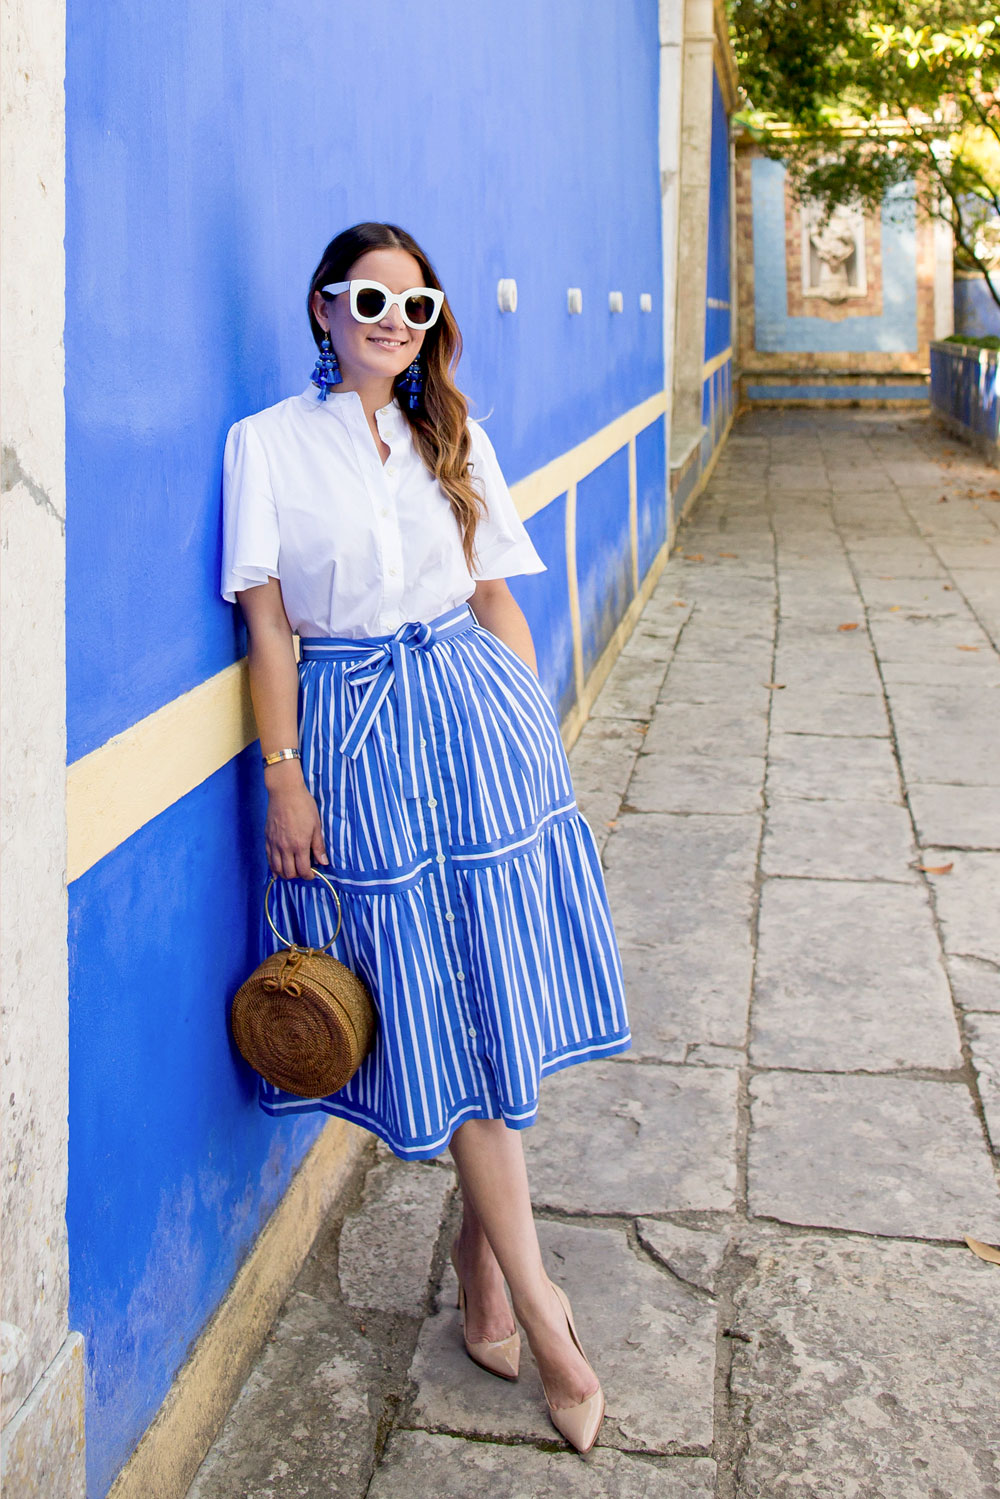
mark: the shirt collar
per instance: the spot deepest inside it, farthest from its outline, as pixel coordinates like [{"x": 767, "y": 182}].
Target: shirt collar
[{"x": 349, "y": 400}]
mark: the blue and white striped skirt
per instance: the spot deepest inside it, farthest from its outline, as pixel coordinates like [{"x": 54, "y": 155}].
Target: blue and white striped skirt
[{"x": 473, "y": 898}]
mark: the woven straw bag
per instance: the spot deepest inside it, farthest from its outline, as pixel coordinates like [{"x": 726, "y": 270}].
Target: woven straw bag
[{"x": 303, "y": 1020}]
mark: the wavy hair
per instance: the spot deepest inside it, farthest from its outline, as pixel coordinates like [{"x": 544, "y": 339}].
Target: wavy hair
[{"x": 439, "y": 421}]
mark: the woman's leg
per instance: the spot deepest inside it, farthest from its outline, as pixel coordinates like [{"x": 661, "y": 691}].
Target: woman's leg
[{"x": 498, "y": 1237}]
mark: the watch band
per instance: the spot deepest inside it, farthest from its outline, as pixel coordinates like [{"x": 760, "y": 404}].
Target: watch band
[{"x": 282, "y": 754}]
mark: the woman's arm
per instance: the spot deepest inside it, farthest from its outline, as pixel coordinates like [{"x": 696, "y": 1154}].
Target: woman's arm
[
  {"x": 293, "y": 835},
  {"x": 497, "y": 610}
]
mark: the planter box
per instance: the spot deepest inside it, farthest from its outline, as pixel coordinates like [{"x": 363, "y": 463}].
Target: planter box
[{"x": 964, "y": 394}]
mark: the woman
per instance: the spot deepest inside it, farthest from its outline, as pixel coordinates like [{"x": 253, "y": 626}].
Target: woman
[{"x": 413, "y": 751}]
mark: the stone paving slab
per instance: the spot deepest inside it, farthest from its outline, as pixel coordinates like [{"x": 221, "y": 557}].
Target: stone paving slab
[
  {"x": 850, "y": 978},
  {"x": 398, "y": 1224},
  {"x": 692, "y": 1254},
  {"x": 650, "y": 1339},
  {"x": 631, "y": 689},
  {"x": 832, "y": 768},
  {"x": 984, "y": 1039},
  {"x": 419, "y": 1463},
  {"x": 706, "y": 729},
  {"x": 304, "y": 1425},
  {"x": 882, "y": 1155},
  {"x": 681, "y": 891},
  {"x": 957, "y": 816},
  {"x": 677, "y": 781},
  {"x": 820, "y": 840},
  {"x": 633, "y": 1138},
  {"x": 818, "y": 709},
  {"x": 968, "y": 899},
  {"x": 600, "y": 764},
  {"x": 975, "y": 982},
  {"x": 686, "y": 994},
  {"x": 869, "y": 1370},
  {"x": 947, "y": 733}
]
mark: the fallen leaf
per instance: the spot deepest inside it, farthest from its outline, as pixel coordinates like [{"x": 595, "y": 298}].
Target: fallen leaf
[
  {"x": 985, "y": 1251},
  {"x": 936, "y": 868},
  {"x": 853, "y": 626},
  {"x": 729, "y": 554},
  {"x": 679, "y": 604},
  {"x": 943, "y": 500},
  {"x": 886, "y": 578},
  {"x": 693, "y": 557},
  {"x": 775, "y": 686},
  {"x": 948, "y": 587},
  {"x": 966, "y": 647},
  {"x": 613, "y": 823},
  {"x": 895, "y": 609}
]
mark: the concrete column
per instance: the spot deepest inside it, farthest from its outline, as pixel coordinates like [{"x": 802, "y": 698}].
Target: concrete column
[
  {"x": 944, "y": 279},
  {"x": 692, "y": 232},
  {"x": 671, "y": 44},
  {"x": 42, "y": 1361}
]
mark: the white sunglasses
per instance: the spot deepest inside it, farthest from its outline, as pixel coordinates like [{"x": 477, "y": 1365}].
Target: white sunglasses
[{"x": 370, "y": 301}]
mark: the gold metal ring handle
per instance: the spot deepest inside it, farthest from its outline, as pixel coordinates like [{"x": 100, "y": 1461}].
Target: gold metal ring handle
[{"x": 284, "y": 940}]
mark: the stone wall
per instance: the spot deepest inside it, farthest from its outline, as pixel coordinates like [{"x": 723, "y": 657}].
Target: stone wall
[{"x": 868, "y": 341}]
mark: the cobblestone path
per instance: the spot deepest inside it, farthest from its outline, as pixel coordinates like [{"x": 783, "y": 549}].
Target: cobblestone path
[{"x": 759, "y": 1211}]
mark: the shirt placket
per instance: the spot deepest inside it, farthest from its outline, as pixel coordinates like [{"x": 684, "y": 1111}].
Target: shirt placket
[{"x": 385, "y": 494}]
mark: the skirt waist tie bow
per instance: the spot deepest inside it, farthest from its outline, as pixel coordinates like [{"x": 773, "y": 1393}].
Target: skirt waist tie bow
[
  {"x": 377, "y": 670},
  {"x": 376, "y": 667}
]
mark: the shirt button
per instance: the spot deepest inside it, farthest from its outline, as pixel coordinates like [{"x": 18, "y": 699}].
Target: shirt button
[
  {"x": 449, "y": 916},
  {"x": 432, "y": 801},
  {"x": 393, "y": 571},
  {"x": 461, "y": 975},
  {"x": 440, "y": 858},
  {"x": 423, "y": 741},
  {"x": 391, "y": 468},
  {"x": 384, "y": 510},
  {"x": 472, "y": 1033}
]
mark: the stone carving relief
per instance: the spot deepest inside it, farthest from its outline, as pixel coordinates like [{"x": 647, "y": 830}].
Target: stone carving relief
[{"x": 833, "y": 254}]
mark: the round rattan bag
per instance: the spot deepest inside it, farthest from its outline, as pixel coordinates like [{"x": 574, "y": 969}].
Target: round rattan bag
[{"x": 302, "y": 1019}]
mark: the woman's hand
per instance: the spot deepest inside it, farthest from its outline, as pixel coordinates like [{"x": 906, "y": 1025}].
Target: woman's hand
[{"x": 293, "y": 834}]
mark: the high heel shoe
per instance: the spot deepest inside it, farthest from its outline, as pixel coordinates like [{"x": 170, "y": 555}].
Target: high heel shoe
[
  {"x": 501, "y": 1357},
  {"x": 579, "y": 1424}
]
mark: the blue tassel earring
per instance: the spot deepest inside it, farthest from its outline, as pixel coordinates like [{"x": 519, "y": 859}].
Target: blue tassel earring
[
  {"x": 412, "y": 381},
  {"x": 327, "y": 371}
]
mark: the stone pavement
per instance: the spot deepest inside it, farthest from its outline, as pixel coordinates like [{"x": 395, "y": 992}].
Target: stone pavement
[{"x": 759, "y": 1211}]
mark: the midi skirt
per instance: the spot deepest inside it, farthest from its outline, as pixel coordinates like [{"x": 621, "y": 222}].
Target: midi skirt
[{"x": 472, "y": 895}]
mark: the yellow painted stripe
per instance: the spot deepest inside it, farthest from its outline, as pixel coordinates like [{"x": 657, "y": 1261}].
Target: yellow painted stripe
[
  {"x": 574, "y": 589},
  {"x": 116, "y": 789},
  {"x": 709, "y": 369},
  {"x": 131, "y": 779}
]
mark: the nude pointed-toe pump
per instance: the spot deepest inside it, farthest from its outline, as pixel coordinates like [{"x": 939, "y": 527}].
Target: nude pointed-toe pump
[
  {"x": 579, "y": 1424},
  {"x": 501, "y": 1357}
]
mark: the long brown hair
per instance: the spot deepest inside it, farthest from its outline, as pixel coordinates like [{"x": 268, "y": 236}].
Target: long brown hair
[{"x": 439, "y": 421}]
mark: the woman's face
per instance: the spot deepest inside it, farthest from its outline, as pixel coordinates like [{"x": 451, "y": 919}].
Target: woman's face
[{"x": 384, "y": 348}]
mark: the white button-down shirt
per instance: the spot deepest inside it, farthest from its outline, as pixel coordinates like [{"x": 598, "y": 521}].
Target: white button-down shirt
[{"x": 360, "y": 548}]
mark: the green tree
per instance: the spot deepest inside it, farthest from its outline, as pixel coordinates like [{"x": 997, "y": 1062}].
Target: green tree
[{"x": 856, "y": 99}]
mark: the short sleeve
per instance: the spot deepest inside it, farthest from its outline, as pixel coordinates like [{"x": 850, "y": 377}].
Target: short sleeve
[
  {"x": 503, "y": 545},
  {"x": 249, "y": 515}
]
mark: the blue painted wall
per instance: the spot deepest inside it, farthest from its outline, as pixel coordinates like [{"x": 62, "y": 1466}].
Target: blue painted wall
[
  {"x": 718, "y": 315},
  {"x": 894, "y": 331},
  {"x": 212, "y": 150},
  {"x": 976, "y": 313}
]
